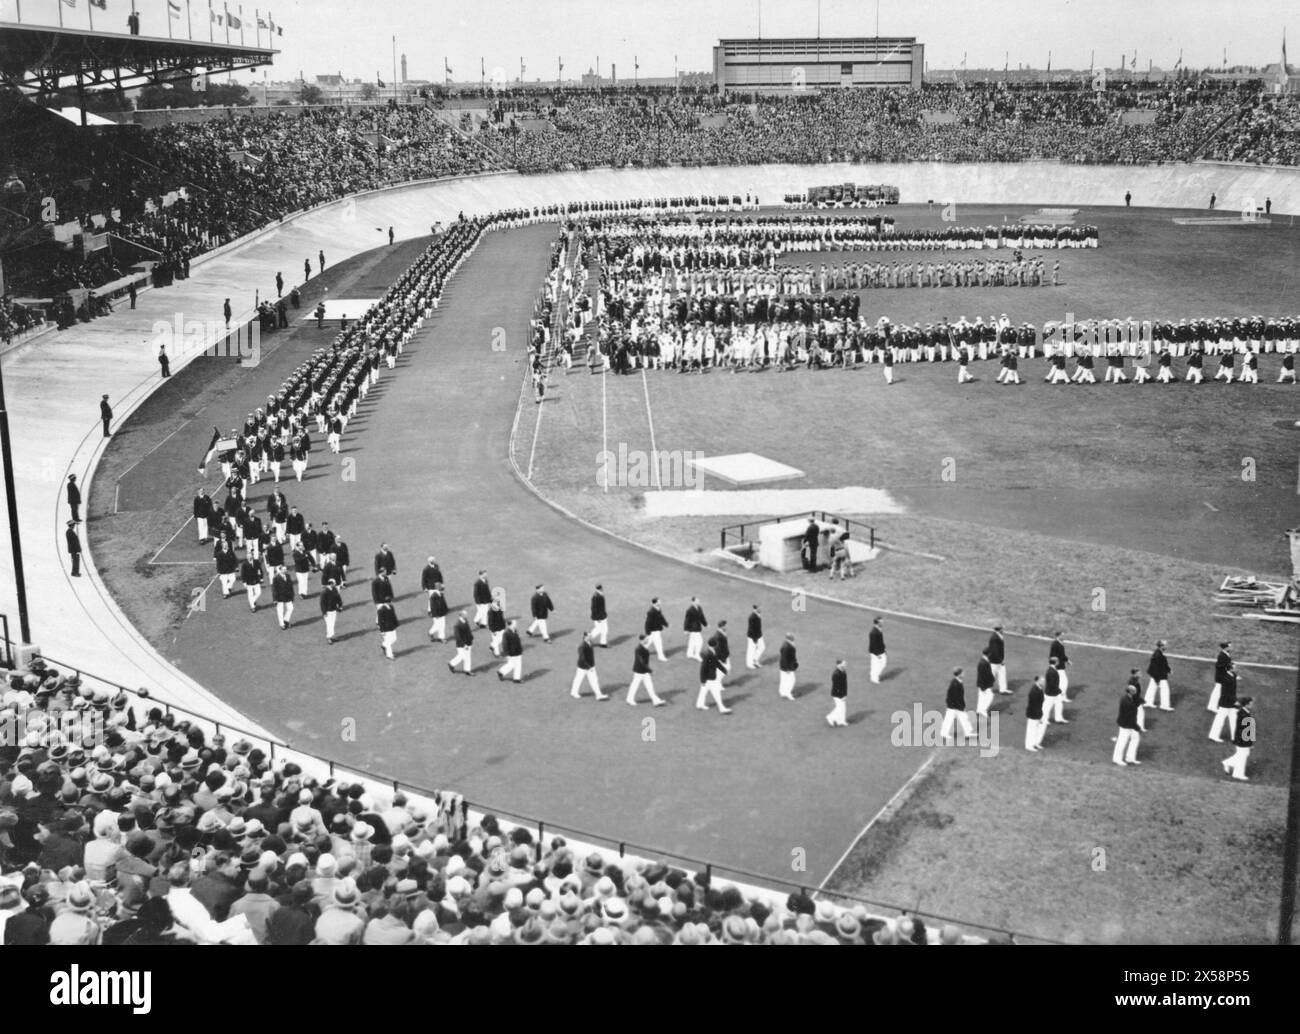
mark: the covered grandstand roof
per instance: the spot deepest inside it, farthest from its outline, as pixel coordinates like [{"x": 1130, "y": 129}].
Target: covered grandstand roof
[{"x": 48, "y": 58}]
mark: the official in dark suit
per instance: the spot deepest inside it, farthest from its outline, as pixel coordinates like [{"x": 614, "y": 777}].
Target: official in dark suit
[
  {"x": 105, "y": 414},
  {"x": 1221, "y": 664},
  {"x": 74, "y": 498},
  {"x": 381, "y": 589},
  {"x": 1056, "y": 651},
  {"x": 385, "y": 561},
  {"x": 1227, "y": 710},
  {"x": 386, "y": 619},
  {"x": 74, "y": 548},
  {"x": 811, "y": 537}
]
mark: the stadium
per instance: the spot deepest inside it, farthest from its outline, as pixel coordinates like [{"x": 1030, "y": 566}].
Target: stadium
[{"x": 597, "y": 386}]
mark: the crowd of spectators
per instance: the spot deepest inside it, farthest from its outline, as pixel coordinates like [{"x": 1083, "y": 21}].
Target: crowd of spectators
[
  {"x": 121, "y": 823},
  {"x": 171, "y": 193}
]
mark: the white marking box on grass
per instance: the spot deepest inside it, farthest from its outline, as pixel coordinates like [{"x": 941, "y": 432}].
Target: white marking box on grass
[{"x": 745, "y": 468}]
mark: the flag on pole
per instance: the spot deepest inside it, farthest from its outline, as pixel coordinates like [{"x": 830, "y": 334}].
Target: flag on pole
[
  {"x": 1281, "y": 71},
  {"x": 1179, "y": 63},
  {"x": 173, "y": 9},
  {"x": 101, "y": 4},
  {"x": 70, "y": 3},
  {"x": 231, "y": 20},
  {"x": 261, "y": 23}
]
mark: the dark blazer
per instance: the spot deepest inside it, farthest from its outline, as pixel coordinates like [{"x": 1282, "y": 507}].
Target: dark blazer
[
  {"x": 997, "y": 649},
  {"x": 755, "y": 629},
  {"x": 641, "y": 660},
  {"x": 430, "y": 576},
  {"x": 695, "y": 620},
  {"x": 598, "y": 607},
  {"x": 655, "y": 621},
  {"x": 464, "y": 634},
  {"x": 839, "y": 683},
  {"x": 482, "y": 591},
  {"x": 876, "y": 641},
  {"x": 513, "y": 645},
  {"x": 541, "y": 605},
  {"x": 956, "y": 695},
  {"x": 1158, "y": 668},
  {"x": 789, "y": 659},
  {"x": 1034, "y": 704},
  {"x": 586, "y": 656}
]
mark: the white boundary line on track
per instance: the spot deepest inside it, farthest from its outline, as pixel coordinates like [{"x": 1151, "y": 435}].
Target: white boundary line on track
[
  {"x": 654, "y": 451},
  {"x": 604, "y": 426},
  {"x": 175, "y": 535},
  {"x": 888, "y": 804},
  {"x": 153, "y": 450}
]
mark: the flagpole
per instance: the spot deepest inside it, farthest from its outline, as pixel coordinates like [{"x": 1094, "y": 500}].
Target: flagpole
[
  {"x": 257, "y": 27},
  {"x": 169, "y": 21},
  {"x": 90, "y": 11},
  {"x": 241, "y": 25},
  {"x": 189, "y": 21},
  {"x": 395, "y": 66},
  {"x": 211, "y": 19},
  {"x": 60, "y": 7},
  {"x": 226, "y": 7}
]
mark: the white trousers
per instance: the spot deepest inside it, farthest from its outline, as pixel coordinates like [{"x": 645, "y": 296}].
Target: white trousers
[
  {"x": 254, "y": 591},
  {"x": 878, "y": 662},
  {"x": 462, "y": 656},
  {"x": 227, "y": 583},
  {"x": 331, "y": 616},
  {"x": 712, "y": 688},
  {"x": 283, "y": 612},
  {"x": 202, "y": 522},
  {"x": 951, "y": 716},
  {"x": 480, "y": 613},
  {"x": 386, "y": 640},
  {"x": 513, "y": 668},
  {"x": 302, "y": 577},
  {"x": 1126, "y": 746},
  {"x": 983, "y": 701},
  {"x": 439, "y": 628},
  {"x": 838, "y": 715},
  {"x": 1035, "y": 729},
  {"x": 656, "y": 640},
  {"x": 1222, "y": 715},
  {"x": 539, "y": 625},
  {"x": 754, "y": 652},
  {"x": 1054, "y": 708},
  {"x": 589, "y": 676},
  {"x": 1000, "y": 673},
  {"x": 694, "y": 642},
  {"x": 639, "y": 680},
  {"x": 495, "y": 644},
  {"x": 600, "y": 632},
  {"x": 786, "y": 686},
  {"x": 1163, "y": 687},
  {"x": 1236, "y": 765}
]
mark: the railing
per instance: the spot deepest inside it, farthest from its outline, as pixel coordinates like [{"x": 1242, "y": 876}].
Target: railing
[
  {"x": 321, "y": 766},
  {"x": 737, "y": 531}
]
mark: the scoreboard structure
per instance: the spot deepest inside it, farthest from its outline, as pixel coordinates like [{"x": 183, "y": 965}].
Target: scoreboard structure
[{"x": 787, "y": 66}]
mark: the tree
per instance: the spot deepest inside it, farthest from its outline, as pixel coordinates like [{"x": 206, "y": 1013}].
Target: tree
[
  {"x": 311, "y": 94},
  {"x": 368, "y": 91},
  {"x": 228, "y": 95}
]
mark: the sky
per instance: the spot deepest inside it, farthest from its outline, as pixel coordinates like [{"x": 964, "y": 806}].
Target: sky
[{"x": 355, "y": 36}]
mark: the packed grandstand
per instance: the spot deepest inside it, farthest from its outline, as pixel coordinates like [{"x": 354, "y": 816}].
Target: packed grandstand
[{"x": 168, "y": 194}]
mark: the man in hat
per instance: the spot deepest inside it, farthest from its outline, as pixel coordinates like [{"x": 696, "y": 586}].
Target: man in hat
[
  {"x": 74, "y": 548},
  {"x": 105, "y": 414},
  {"x": 74, "y": 498},
  {"x": 1158, "y": 671},
  {"x": 1227, "y": 704}
]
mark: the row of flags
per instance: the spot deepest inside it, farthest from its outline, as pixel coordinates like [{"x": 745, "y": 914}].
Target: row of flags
[{"x": 225, "y": 19}]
